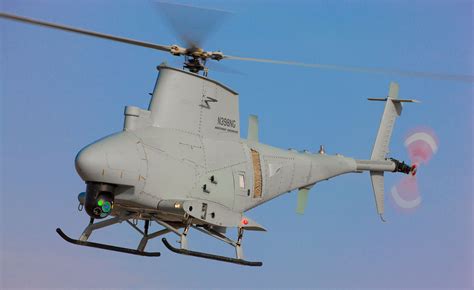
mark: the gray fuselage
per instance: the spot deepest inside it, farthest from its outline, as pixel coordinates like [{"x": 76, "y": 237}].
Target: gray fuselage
[
  {"x": 184, "y": 156},
  {"x": 153, "y": 164}
]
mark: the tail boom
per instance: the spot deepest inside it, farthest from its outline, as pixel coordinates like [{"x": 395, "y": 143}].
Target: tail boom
[{"x": 391, "y": 164}]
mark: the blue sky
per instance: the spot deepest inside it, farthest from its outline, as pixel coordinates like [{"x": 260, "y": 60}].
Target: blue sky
[{"x": 60, "y": 92}]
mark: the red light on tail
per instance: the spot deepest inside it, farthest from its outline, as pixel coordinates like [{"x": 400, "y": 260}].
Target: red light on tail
[{"x": 413, "y": 170}]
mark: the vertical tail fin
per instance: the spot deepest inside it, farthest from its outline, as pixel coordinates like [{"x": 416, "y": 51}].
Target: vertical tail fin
[
  {"x": 391, "y": 112},
  {"x": 302, "y": 200},
  {"x": 378, "y": 186},
  {"x": 252, "y": 133},
  {"x": 393, "y": 109}
]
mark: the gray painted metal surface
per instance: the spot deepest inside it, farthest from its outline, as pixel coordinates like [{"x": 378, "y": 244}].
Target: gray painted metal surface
[{"x": 184, "y": 156}]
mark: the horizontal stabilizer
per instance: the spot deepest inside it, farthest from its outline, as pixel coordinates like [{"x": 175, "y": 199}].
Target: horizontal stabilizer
[{"x": 394, "y": 100}]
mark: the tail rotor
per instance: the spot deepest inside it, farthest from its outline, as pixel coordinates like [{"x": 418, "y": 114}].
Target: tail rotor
[{"x": 422, "y": 145}]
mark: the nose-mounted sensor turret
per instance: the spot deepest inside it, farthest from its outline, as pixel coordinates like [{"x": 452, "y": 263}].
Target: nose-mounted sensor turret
[{"x": 99, "y": 199}]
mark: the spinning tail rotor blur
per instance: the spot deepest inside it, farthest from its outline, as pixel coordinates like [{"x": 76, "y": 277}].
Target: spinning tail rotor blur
[{"x": 422, "y": 145}]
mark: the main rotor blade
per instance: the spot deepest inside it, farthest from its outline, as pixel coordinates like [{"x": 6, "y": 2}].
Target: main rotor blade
[
  {"x": 85, "y": 32},
  {"x": 220, "y": 67},
  {"x": 428, "y": 75},
  {"x": 193, "y": 25}
]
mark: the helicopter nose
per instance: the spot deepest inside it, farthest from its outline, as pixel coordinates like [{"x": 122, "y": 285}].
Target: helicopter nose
[
  {"x": 90, "y": 162},
  {"x": 114, "y": 159}
]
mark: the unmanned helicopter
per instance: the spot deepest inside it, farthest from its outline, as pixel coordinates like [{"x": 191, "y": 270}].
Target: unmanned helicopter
[{"x": 182, "y": 163}]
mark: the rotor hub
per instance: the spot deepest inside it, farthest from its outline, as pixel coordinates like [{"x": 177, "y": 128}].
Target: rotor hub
[{"x": 195, "y": 58}]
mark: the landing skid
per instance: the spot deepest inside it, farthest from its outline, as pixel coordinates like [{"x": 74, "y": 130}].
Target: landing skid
[
  {"x": 210, "y": 256},
  {"x": 140, "y": 251},
  {"x": 106, "y": 247},
  {"x": 167, "y": 228}
]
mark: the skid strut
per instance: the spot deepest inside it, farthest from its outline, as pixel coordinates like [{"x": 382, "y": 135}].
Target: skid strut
[{"x": 183, "y": 250}]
